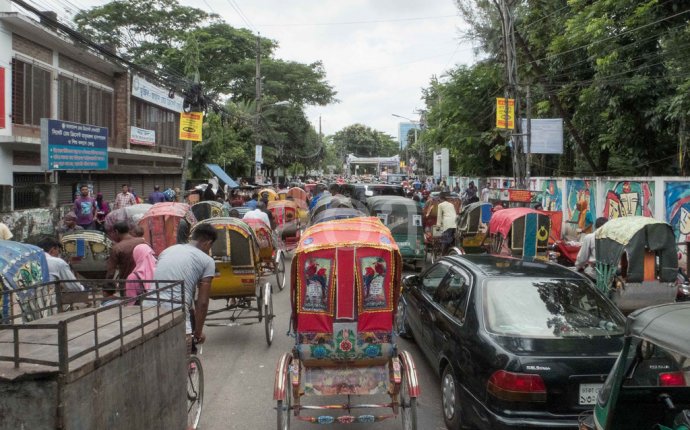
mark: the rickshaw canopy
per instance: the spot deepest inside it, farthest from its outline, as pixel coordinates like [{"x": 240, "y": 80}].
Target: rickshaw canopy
[
  {"x": 272, "y": 195},
  {"x": 337, "y": 213},
  {"x": 130, "y": 214},
  {"x": 636, "y": 236},
  {"x": 223, "y": 246},
  {"x": 208, "y": 209},
  {"x": 298, "y": 194},
  {"x": 162, "y": 224},
  {"x": 22, "y": 265},
  {"x": 502, "y": 221},
  {"x": 663, "y": 325},
  {"x": 473, "y": 215}
]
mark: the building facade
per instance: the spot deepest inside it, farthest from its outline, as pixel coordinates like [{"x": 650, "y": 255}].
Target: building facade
[{"x": 46, "y": 74}]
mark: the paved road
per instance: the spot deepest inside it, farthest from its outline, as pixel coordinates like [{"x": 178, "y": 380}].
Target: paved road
[{"x": 239, "y": 371}]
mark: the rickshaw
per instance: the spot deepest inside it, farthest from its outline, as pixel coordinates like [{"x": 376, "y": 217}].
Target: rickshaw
[
  {"x": 282, "y": 194},
  {"x": 238, "y": 277},
  {"x": 337, "y": 213},
  {"x": 21, "y": 266},
  {"x": 269, "y": 193},
  {"x": 167, "y": 224},
  {"x": 472, "y": 227},
  {"x": 208, "y": 209},
  {"x": 301, "y": 199},
  {"x": 520, "y": 232},
  {"x": 636, "y": 262},
  {"x": 432, "y": 234},
  {"x": 271, "y": 257},
  {"x": 287, "y": 221},
  {"x": 649, "y": 386},
  {"x": 87, "y": 251},
  {"x": 343, "y": 322},
  {"x": 403, "y": 217},
  {"x": 130, "y": 214}
]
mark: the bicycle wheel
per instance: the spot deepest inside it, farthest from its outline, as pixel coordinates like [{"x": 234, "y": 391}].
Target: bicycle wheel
[
  {"x": 195, "y": 391},
  {"x": 280, "y": 271},
  {"x": 284, "y": 407},
  {"x": 268, "y": 319},
  {"x": 408, "y": 405}
]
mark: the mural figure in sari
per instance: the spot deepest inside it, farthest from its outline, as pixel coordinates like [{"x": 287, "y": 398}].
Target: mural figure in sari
[
  {"x": 581, "y": 203},
  {"x": 628, "y": 198},
  {"x": 677, "y": 198}
]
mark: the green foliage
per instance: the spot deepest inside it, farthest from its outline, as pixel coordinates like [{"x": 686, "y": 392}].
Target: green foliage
[{"x": 363, "y": 141}]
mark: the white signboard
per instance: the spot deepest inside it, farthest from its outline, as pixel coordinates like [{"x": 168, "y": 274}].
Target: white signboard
[
  {"x": 142, "y": 136},
  {"x": 258, "y": 154},
  {"x": 151, "y": 93},
  {"x": 547, "y": 136}
]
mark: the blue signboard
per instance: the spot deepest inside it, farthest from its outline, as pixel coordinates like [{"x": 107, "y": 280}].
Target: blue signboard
[{"x": 73, "y": 146}]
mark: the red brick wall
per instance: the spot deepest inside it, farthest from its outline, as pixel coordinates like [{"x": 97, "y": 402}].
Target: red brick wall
[{"x": 32, "y": 49}]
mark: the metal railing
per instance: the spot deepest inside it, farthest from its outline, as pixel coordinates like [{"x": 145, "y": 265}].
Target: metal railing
[{"x": 50, "y": 308}]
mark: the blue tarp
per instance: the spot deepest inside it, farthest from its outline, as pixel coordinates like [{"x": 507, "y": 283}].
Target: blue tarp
[{"x": 216, "y": 170}]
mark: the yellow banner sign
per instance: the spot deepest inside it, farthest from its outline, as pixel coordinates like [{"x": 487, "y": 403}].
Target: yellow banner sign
[
  {"x": 502, "y": 112},
  {"x": 190, "y": 125}
]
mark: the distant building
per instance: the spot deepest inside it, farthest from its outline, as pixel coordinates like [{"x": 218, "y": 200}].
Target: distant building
[{"x": 403, "y": 130}]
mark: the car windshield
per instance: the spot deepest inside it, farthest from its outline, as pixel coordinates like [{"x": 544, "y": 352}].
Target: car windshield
[{"x": 548, "y": 308}]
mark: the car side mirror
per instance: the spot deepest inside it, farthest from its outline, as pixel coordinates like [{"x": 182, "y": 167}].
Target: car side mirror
[{"x": 411, "y": 281}]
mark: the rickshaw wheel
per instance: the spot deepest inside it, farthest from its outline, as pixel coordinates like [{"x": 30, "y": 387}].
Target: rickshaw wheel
[
  {"x": 268, "y": 314},
  {"x": 401, "y": 325},
  {"x": 284, "y": 407},
  {"x": 408, "y": 405},
  {"x": 195, "y": 390},
  {"x": 280, "y": 271}
]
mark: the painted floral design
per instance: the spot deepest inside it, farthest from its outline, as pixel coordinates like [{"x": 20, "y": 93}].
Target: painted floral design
[
  {"x": 373, "y": 275},
  {"x": 316, "y": 277}
]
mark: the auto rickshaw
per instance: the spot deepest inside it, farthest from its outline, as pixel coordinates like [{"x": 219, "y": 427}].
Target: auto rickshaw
[
  {"x": 167, "y": 224},
  {"x": 87, "y": 251},
  {"x": 288, "y": 226},
  {"x": 637, "y": 262},
  {"x": 238, "y": 277},
  {"x": 22, "y": 266},
  {"x": 130, "y": 214},
  {"x": 403, "y": 217},
  {"x": 337, "y": 213},
  {"x": 343, "y": 322},
  {"x": 520, "y": 232},
  {"x": 472, "y": 227},
  {"x": 649, "y": 386},
  {"x": 271, "y": 256},
  {"x": 208, "y": 209}
]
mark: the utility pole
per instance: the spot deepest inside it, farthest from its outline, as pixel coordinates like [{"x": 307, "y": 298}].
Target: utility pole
[
  {"x": 529, "y": 136},
  {"x": 257, "y": 116},
  {"x": 191, "y": 68}
]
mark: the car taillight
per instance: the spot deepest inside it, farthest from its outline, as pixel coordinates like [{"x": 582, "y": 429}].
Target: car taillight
[
  {"x": 517, "y": 387},
  {"x": 672, "y": 379}
]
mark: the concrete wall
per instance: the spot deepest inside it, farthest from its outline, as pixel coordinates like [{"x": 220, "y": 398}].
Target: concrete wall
[{"x": 145, "y": 388}]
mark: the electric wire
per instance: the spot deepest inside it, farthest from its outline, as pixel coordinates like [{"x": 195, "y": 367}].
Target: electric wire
[{"x": 375, "y": 21}]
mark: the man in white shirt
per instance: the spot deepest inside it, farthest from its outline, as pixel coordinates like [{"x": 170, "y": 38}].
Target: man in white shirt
[
  {"x": 586, "y": 258},
  {"x": 58, "y": 268},
  {"x": 445, "y": 218},
  {"x": 258, "y": 213}
]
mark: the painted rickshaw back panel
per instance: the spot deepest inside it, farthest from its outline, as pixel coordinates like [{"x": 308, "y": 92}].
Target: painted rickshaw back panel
[{"x": 87, "y": 251}]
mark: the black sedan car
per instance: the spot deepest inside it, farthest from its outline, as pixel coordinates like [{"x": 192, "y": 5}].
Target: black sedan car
[{"x": 518, "y": 344}]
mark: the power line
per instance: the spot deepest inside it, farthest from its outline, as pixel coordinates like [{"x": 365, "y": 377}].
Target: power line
[
  {"x": 241, "y": 14},
  {"x": 374, "y": 21}
]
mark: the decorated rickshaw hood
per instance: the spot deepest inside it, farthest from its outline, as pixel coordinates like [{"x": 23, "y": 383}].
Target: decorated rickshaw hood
[
  {"x": 174, "y": 209},
  {"x": 229, "y": 222},
  {"x": 22, "y": 265},
  {"x": 360, "y": 232},
  {"x": 502, "y": 221}
]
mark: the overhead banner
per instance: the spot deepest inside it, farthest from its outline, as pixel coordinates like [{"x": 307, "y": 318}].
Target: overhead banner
[
  {"x": 145, "y": 90},
  {"x": 547, "y": 135},
  {"x": 190, "y": 126},
  {"x": 73, "y": 146},
  {"x": 501, "y": 113},
  {"x": 142, "y": 136}
]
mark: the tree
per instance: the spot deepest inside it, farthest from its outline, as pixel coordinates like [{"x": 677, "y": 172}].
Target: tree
[{"x": 363, "y": 141}]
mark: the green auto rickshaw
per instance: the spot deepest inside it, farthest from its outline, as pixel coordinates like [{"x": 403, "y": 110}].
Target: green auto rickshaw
[
  {"x": 403, "y": 217},
  {"x": 648, "y": 387}
]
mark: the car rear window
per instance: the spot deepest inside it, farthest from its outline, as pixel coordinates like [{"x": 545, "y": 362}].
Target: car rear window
[{"x": 548, "y": 308}]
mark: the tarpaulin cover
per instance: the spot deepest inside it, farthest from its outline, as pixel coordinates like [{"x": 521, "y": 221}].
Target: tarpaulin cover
[
  {"x": 218, "y": 171},
  {"x": 622, "y": 229},
  {"x": 130, "y": 214},
  {"x": 502, "y": 221}
]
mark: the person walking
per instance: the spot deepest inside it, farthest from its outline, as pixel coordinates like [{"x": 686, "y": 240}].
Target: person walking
[
  {"x": 156, "y": 196},
  {"x": 85, "y": 208},
  {"x": 124, "y": 198},
  {"x": 121, "y": 260},
  {"x": 191, "y": 264}
]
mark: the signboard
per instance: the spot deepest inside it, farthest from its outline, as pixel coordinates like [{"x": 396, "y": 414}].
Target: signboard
[
  {"x": 3, "y": 116},
  {"x": 190, "y": 126},
  {"x": 501, "y": 113},
  {"x": 258, "y": 154},
  {"x": 258, "y": 177},
  {"x": 73, "y": 146},
  {"x": 524, "y": 196},
  {"x": 143, "y": 89},
  {"x": 142, "y": 136},
  {"x": 547, "y": 136}
]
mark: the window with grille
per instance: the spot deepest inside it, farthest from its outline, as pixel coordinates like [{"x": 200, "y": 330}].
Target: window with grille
[
  {"x": 30, "y": 93},
  {"x": 82, "y": 103},
  {"x": 164, "y": 122}
]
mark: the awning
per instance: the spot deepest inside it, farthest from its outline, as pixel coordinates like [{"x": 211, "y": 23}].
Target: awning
[{"x": 216, "y": 170}]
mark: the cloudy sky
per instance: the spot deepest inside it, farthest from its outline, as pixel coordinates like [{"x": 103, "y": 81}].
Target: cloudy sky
[{"x": 378, "y": 54}]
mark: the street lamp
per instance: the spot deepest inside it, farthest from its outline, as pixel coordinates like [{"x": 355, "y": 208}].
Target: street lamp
[{"x": 415, "y": 139}]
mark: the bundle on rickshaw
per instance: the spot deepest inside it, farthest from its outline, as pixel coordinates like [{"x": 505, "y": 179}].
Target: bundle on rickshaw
[
  {"x": 473, "y": 226},
  {"x": 520, "y": 232},
  {"x": 87, "y": 251},
  {"x": 403, "y": 217},
  {"x": 343, "y": 321},
  {"x": 238, "y": 277},
  {"x": 636, "y": 262},
  {"x": 166, "y": 224}
]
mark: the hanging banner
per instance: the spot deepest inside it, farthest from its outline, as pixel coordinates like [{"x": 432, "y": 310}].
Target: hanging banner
[
  {"x": 501, "y": 113},
  {"x": 141, "y": 136},
  {"x": 145, "y": 90},
  {"x": 190, "y": 126}
]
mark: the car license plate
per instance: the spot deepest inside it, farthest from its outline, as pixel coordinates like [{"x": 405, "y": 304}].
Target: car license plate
[{"x": 589, "y": 393}]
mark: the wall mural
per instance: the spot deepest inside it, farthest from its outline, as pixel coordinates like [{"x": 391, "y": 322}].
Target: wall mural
[
  {"x": 581, "y": 203},
  {"x": 550, "y": 197},
  {"x": 628, "y": 198},
  {"x": 677, "y": 202}
]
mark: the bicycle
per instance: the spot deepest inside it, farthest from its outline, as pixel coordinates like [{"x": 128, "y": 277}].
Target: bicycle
[{"x": 195, "y": 387}]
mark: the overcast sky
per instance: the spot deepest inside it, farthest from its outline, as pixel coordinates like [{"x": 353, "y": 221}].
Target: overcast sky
[{"x": 378, "y": 54}]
